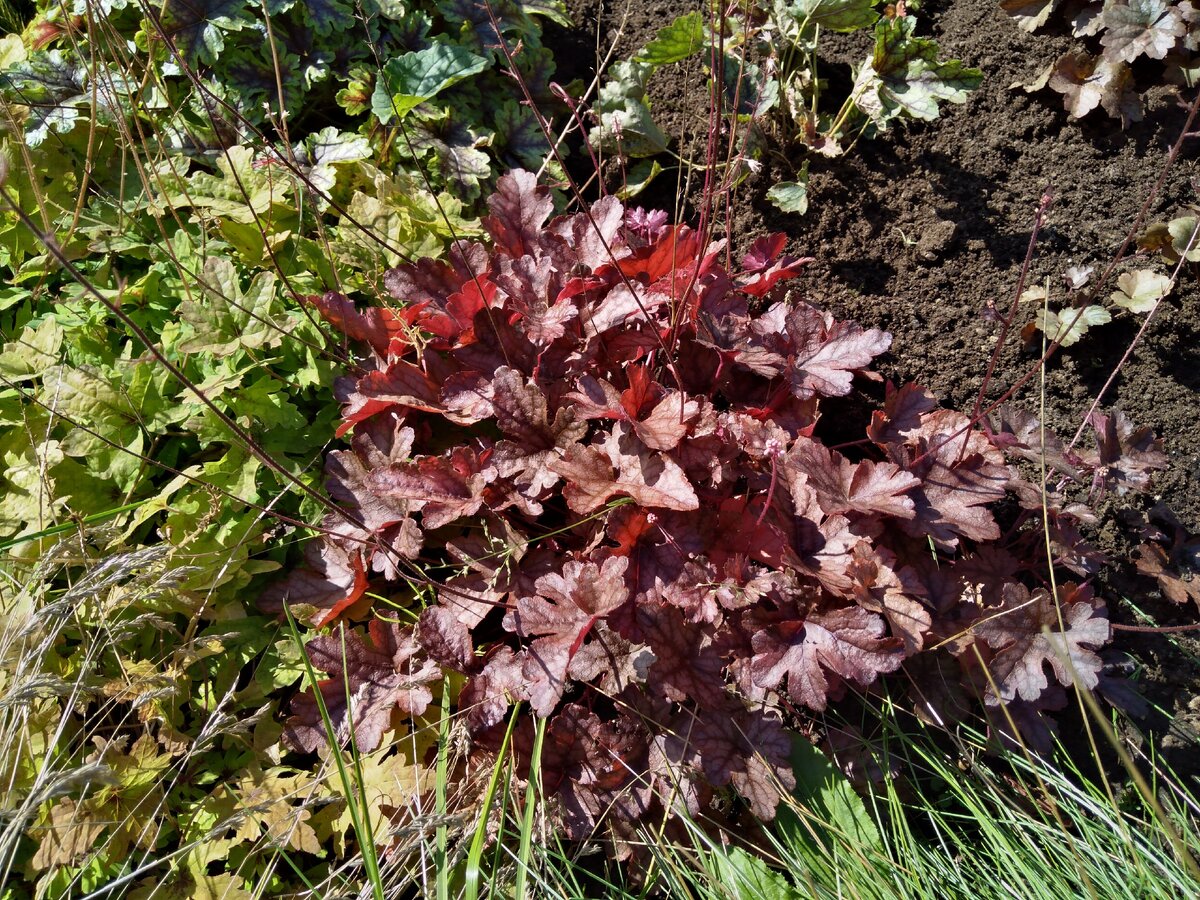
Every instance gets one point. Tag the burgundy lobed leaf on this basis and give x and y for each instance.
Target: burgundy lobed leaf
(333, 582)
(375, 326)
(1031, 631)
(559, 618)
(372, 678)
(843, 487)
(762, 268)
(826, 354)
(622, 465)
(879, 588)
(519, 208)
(961, 475)
(424, 282)
(815, 654)
(1171, 559)
(1125, 455)
(687, 660)
(1140, 27)
(401, 384)
(443, 488)
(902, 413)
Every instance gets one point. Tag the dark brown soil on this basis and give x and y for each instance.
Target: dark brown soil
(923, 230)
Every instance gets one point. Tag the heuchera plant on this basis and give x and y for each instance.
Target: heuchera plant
(593, 451)
(1122, 33)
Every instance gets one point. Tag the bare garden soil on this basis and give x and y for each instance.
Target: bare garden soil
(923, 232)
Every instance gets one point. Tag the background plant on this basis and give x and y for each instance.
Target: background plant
(195, 77)
(772, 88)
(1118, 34)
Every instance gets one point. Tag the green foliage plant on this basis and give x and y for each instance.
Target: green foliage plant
(165, 399)
(423, 82)
(772, 87)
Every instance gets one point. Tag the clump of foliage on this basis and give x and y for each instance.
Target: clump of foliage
(1138, 292)
(1121, 33)
(772, 64)
(199, 76)
(141, 695)
(591, 472)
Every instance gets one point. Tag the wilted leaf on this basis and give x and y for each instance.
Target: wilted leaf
(1140, 291)
(1029, 14)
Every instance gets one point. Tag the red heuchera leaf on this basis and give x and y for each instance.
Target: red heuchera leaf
(379, 675)
(520, 409)
(519, 208)
(401, 384)
(1125, 455)
(901, 414)
(1137, 27)
(842, 487)
(743, 747)
(762, 268)
(813, 655)
(825, 354)
(562, 614)
(660, 418)
(613, 467)
(961, 474)
(687, 661)
(593, 765)
(486, 697)
(374, 326)
(426, 281)
(876, 586)
(443, 488)
(1174, 571)
(333, 582)
(623, 465)
(1030, 632)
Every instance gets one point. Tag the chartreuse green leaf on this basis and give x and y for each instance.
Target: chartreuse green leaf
(836, 15)
(904, 77)
(675, 42)
(554, 10)
(109, 431)
(224, 320)
(791, 196)
(750, 878)
(241, 191)
(407, 81)
(33, 351)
